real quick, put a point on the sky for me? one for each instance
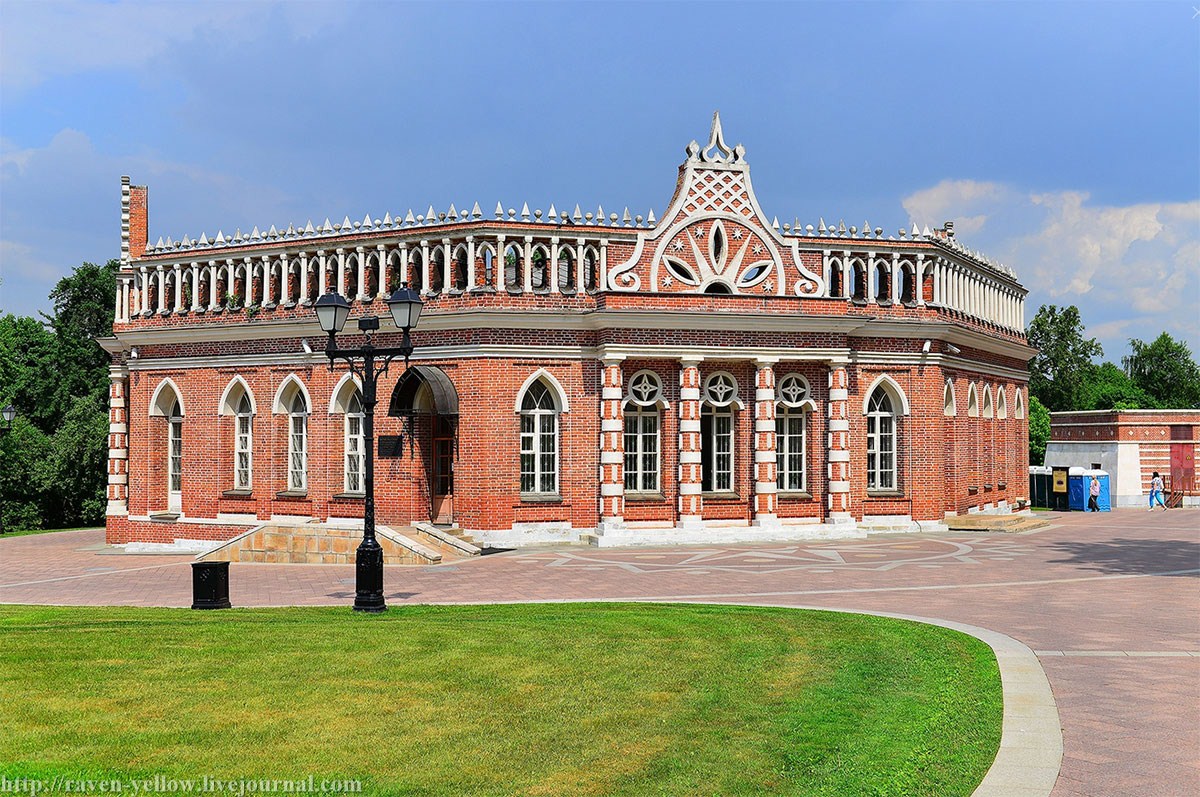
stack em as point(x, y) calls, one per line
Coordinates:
point(1063, 139)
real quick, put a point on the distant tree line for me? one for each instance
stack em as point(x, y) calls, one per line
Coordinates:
point(1064, 375)
point(54, 460)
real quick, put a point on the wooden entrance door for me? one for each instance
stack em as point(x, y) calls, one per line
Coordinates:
point(442, 487)
point(1183, 463)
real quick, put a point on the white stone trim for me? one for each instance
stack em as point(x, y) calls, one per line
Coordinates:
point(225, 408)
point(338, 402)
point(154, 409)
point(891, 386)
point(552, 383)
point(277, 405)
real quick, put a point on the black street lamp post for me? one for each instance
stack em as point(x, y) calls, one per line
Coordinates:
point(332, 313)
point(9, 412)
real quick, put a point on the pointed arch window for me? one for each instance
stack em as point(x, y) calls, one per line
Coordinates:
point(1002, 403)
point(539, 441)
point(972, 401)
point(175, 448)
point(298, 443)
point(881, 441)
point(1019, 409)
point(987, 401)
point(643, 425)
point(243, 444)
point(949, 407)
point(354, 444)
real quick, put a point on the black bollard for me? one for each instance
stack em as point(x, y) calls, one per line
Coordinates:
point(210, 585)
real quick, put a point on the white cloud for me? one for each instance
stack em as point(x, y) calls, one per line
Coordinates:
point(50, 38)
point(69, 209)
point(1133, 270)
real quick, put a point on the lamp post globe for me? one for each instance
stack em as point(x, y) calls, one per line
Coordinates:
point(10, 412)
point(405, 306)
point(332, 312)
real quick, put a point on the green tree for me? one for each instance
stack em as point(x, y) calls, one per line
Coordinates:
point(83, 312)
point(1058, 372)
point(1107, 387)
point(76, 468)
point(1166, 371)
point(52, 463)
point(23, 475)
point(1039, 431)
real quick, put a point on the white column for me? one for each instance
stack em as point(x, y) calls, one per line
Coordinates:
point(124, 300)
point(162, 289)
point(230, 280)
point(765, 445)
point(691, 503)
point(382, 254)
point(268, 278)
point(213, 269)
point(341, 271)
point(603, 264)
point(360, 254)
point(471, 263)
point(552, 266)
point(498, 264)
point(322, 279)
point(249, 264)
point(580, 268)
point(528, 258)
point(447, 266)
point(922, 267)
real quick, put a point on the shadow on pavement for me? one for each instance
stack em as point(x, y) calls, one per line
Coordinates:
point(1133, 556)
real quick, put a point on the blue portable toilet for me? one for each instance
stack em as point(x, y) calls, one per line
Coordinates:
point(1104, 500)
point(1077, 489)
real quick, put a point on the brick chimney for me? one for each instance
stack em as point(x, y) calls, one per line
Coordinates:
point(135, 220)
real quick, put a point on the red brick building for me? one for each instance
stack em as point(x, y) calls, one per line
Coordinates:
point(1132, 445)
point(709, 374)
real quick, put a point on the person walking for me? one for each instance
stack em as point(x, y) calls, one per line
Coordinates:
point(1156, 492)
point(1094, 495)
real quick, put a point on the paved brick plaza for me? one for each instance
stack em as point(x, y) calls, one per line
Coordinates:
point(1110, 603)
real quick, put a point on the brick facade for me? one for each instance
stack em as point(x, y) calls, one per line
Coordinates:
point(578, 305)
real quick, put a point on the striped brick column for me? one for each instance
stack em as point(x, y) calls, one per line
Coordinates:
point(765, 461)
point(690, 503)
point(612, 445)
point(118, 441)
point(838, 455)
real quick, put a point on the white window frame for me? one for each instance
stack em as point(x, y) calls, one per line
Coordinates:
point(643, 433)
point(539, 426)
point(174, 455)
point(790, 445)
point(718, 446)
point(643, 448)
point(243, 445)
point(353, 440)
point(298, 443)
point(882, 441)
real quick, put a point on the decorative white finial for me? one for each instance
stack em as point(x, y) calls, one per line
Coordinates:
point(717, 150)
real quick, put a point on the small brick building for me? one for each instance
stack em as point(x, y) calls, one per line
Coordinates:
point(706, 375)
point(1131, 445)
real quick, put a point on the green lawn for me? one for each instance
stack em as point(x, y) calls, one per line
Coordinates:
point(26, 532)
point(552, 699)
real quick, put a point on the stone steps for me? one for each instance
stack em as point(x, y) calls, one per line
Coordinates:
point(315, 543)
point(1009, 524)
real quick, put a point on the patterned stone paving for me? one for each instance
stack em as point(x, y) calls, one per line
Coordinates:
point(1110, 602)
point(877, 555)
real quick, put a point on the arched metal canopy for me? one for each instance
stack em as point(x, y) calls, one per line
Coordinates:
point(441, 390)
